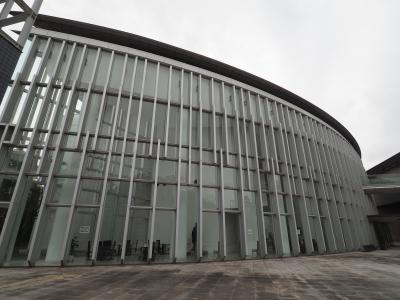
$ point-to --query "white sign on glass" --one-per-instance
(84, 229)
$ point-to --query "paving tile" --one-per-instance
(356, 275)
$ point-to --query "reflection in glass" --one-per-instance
(33, 193)
(62, 190)
(210, 198)
(142, 192)
(137, 244)
(7, 185)
(166, 195)
(164, 231)
(112, 227)
(253, 245)
(167, 171)
(52, 237)
(82, 235)
(270, 235)
(211, 242)
(188, 229)
(232, 231)
(231, 199)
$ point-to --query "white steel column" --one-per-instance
(243, 242)
(178, 192)
(302, 201)
(107, 168)
(154, 110)
(200, 216)
(132, 175)
(103, 100)
(168, 109)
(259, 203)
(154, 203)
(128, 119)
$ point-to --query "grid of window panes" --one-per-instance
(110, 157)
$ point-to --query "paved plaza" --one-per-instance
(356, 275)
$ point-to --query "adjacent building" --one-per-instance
(384, 187)
(117, 148)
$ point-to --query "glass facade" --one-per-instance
(110, 155)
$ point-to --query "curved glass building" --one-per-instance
(115, 149)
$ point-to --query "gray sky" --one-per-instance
(343, 56)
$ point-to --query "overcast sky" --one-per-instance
(343, 56)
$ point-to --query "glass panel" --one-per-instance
(164, 232)
(126, 88)
(232, 229)
(95, 165)
(142, 193)
(206, 94)
(253, 245)
(137, 243)
(102, 69)
(211, 242)
(231, 199)
(167, 171)
(195, 91)
(114, 166)
(62, 190)
(52, 237)
(230, 177)
(218, 96)
(145, 121)
(266, 202)
(163, 80)
(145, 168)
(116, 72)
(269, 235)
(176, 86)
(133, 117)
(188, 231)
(186, 88)
(112, 228)
(195, 129)
(219, 130)
(185, 127)
(12, 159)
(184, 172)
(73, 127)
(285, 235)
(173, 130)
(74, 65)
(138, 78)
(90, 192)
(207, 130)
(87, 67)
(166, 195)
(31, 200)
(159, 122)
(211, 198)
(82, 236)
(92, 113)
(50, 65)
(106, 125)
(211, 175)
(232, 140)
(195, 173)
(3, 214)
(150, 81)
(69, 164)
(63, 62)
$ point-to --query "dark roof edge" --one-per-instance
(145, 44)
(386, 165)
